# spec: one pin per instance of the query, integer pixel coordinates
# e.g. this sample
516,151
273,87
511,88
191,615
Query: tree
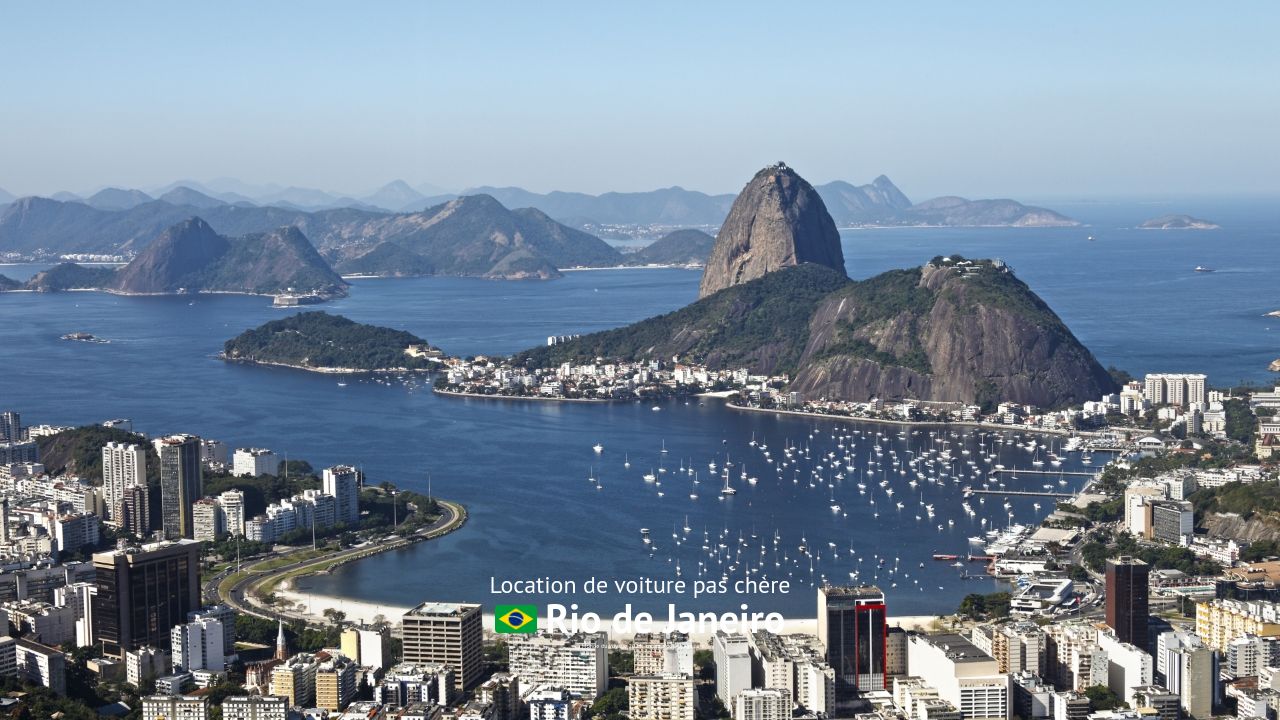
1102,698
612,705
335,616
621,662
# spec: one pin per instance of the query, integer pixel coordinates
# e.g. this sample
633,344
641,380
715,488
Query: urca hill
775,298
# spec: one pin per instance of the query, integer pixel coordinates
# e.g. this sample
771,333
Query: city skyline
1136,101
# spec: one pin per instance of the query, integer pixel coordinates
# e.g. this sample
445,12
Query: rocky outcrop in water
777,221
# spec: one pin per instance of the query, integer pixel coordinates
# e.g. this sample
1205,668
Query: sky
993,99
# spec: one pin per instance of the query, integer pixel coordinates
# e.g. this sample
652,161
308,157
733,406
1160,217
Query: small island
85,337
1178,222
319,342
1274,366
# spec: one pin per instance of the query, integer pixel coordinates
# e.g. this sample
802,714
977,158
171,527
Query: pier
1055,473
1036,493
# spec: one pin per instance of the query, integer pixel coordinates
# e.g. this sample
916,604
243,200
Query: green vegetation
79,451
1160,557
612,705
1102,698
300,636
320,340
1260,550
622,662
1108,511
1242,424
1245,500
884,298
989,606
763,324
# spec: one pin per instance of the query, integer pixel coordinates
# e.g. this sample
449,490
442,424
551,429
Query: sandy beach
360,611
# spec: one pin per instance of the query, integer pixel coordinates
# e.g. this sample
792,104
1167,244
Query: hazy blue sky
1024,99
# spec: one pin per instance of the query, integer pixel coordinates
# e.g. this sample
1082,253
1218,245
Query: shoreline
920,423
322,370
537,398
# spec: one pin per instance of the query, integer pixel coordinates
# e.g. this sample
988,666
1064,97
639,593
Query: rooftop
443,609
957,647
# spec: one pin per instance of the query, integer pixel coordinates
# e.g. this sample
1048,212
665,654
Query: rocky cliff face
778,220
962,331
165,264
190,256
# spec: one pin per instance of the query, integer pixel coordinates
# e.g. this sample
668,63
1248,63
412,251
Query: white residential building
198,645
255,707
342,482
732,655
762,704
231,503
252,462
661,697
175,707
124,465
964,676
578,663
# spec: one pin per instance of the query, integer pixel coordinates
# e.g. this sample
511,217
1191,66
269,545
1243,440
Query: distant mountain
64,196
190,256
882,203
958,212
6,197
185,196
300,198
1178,222
681,247
473,235
849,204
470,236
396,196
7,283
668,206
777,221
117,199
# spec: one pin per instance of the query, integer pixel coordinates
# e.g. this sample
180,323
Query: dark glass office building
1127,589
853,624
142,593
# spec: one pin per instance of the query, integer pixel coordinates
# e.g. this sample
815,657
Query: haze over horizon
1139,100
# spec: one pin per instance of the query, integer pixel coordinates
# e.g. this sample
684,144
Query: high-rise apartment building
231,503
142,592
198,645
135,511
342,482
255,707
206,520
449,634
578,663
1127,591
295,679
335,683
962,674
124,465
175,707
732,655
852,624
762,704
11,426
181,483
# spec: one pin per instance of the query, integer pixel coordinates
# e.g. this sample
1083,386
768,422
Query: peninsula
776,301
319,342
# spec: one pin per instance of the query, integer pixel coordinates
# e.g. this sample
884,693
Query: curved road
236,594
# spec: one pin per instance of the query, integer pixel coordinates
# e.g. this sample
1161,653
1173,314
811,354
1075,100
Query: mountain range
191,257
877,203
775,298
472,235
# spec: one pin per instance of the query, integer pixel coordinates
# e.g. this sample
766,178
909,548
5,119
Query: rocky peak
778,220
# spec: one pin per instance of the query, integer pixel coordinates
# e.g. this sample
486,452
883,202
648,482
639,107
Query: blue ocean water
1131,296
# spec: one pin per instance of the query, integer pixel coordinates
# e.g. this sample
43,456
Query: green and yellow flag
515,618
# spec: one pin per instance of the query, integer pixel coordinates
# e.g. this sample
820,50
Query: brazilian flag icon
515,618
